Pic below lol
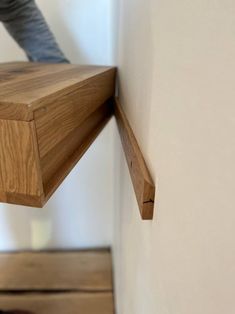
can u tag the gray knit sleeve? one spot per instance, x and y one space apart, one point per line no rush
26 24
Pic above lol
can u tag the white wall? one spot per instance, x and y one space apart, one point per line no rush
177 71
80 212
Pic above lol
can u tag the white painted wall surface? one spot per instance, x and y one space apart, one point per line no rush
80 213
177 72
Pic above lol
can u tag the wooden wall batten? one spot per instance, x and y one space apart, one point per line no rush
143 184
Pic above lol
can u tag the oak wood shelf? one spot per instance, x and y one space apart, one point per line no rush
49 116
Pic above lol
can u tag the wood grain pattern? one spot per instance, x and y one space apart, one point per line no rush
49 116
56 271
57 164
19 162
62 303
57 282
59 118
25 86
141 179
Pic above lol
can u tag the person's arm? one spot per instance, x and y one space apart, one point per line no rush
26 24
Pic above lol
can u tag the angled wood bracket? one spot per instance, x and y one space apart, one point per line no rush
141 178
49 116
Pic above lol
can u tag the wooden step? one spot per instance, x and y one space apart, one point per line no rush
57 282
84 270
49 115
60 303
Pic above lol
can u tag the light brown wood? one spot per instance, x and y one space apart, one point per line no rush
59 118
25 86
62 303
57 282
19 163
49 116
56 164
140 175
56 271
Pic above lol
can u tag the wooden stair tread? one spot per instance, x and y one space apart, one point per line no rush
27 86
49 116
57 282
62 303
58 271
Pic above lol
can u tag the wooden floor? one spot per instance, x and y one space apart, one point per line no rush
57 282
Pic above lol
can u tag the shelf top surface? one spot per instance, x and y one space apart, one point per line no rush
27 86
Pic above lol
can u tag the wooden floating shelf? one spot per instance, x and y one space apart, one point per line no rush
49 116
